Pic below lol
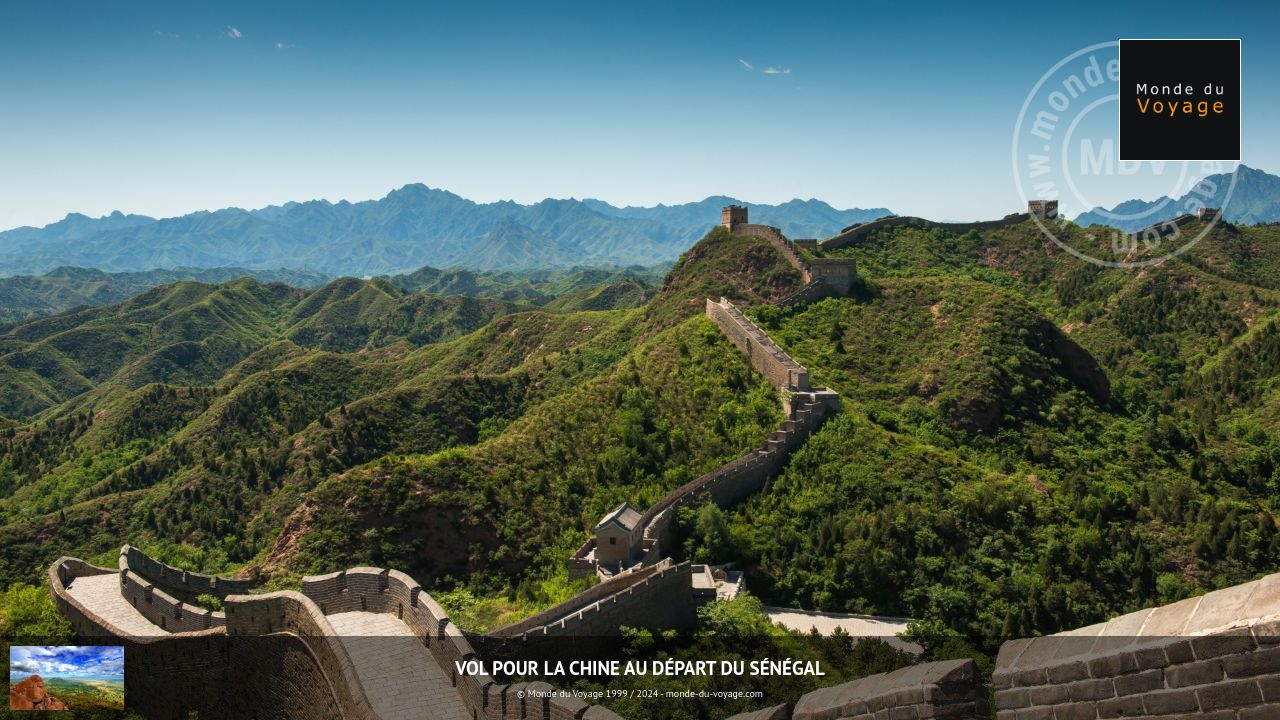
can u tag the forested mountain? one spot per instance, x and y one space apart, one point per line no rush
409 228
1246 196
23 297
1028 442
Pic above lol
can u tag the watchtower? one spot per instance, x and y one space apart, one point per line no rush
1044 209
733 215
1208 214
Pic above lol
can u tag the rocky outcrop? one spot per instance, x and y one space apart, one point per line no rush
29 694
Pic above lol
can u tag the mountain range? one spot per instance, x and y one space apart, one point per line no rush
1254 199
1027 442
411 227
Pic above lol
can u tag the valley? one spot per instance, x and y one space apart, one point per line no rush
1026 443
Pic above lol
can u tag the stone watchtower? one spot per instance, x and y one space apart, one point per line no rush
1207 214
733 215
1045 209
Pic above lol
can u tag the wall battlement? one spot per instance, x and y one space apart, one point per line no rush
177 582
1217 655
1212 656
828 276
806 408
764 354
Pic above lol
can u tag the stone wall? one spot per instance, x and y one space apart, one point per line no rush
253 616
229 678
732 482
580 601
788 249
163 610
205 671
951 689
765 355
814 291
854 233
179 583
1216 656
665 599
1163 228
85 622
827 276
391 591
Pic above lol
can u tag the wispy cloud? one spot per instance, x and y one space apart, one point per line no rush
64 661
746 64
283 46
166 35
234 33
777 71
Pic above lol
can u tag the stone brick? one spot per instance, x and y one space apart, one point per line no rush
1258 712
1112 665
1195 673
1237 693
1048 694
1035 713
1142 682
1150 658
1015 698
1168 702
1179 651
1068 672
1258 662
1087 690
1270 687
1076 711
1120 707
1226 643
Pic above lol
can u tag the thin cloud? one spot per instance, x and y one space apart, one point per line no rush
746 64
166 35
283 46
777 71
67 661
234 33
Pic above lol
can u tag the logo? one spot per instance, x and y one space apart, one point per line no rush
1065 150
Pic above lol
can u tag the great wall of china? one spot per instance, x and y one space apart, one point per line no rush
370 644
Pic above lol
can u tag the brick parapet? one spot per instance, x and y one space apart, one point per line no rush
177 582
162 609
950 689
664 598
1218 653
784 246
764 354
587 597
292 612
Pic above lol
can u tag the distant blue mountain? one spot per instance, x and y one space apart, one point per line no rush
409 228
1255 199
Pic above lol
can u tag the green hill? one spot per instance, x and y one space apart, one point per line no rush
1027 442
1030 442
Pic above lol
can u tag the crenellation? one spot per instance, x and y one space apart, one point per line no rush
177 582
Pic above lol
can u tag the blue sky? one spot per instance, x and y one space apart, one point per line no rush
79 661
166 108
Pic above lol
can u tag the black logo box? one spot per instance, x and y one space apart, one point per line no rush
1181 64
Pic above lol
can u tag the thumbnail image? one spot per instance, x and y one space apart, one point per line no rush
66 677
